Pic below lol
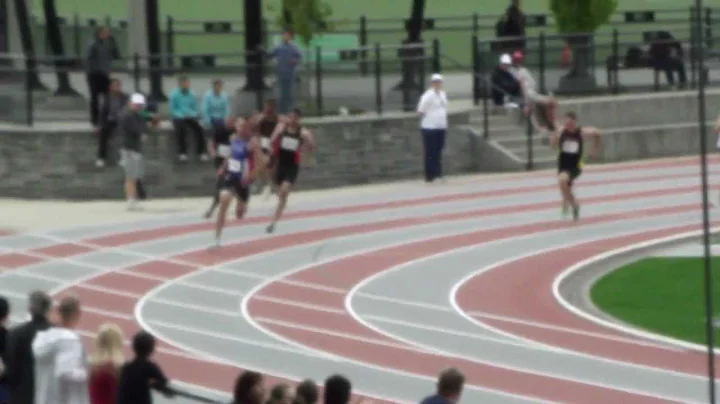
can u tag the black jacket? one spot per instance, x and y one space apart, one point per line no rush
105 108
20 363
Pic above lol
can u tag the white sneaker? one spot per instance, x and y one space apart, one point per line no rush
133 206
99 163
204 157
182 157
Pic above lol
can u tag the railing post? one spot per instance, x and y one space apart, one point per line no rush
136 71
475 70
541 67
29 85
170 43
530 158
708 27
318 80
694 45
475 24
615 73
76 35
436 56
378 80
363 45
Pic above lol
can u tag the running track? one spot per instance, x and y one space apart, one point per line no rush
387 288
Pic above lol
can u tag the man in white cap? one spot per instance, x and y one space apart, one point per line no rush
433 109
133 125
506 90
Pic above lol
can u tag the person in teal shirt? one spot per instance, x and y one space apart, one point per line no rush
185 116
215 107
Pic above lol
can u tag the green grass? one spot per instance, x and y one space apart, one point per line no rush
662 295
455 44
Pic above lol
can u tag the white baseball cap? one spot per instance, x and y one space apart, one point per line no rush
437 77
137 99
505 59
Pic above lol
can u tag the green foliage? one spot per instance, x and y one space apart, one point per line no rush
581 16
306 18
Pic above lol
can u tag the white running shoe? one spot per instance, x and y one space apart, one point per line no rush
133 206
204 157
99 163
182 157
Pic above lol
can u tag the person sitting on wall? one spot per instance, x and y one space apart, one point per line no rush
666 54
532 97
506 89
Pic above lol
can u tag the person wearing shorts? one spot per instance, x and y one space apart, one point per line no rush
237 173
570 139
287 139
219 147
133 125
532 96
266 126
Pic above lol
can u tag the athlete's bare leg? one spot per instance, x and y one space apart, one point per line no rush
225 199
283 193
215 201
566 192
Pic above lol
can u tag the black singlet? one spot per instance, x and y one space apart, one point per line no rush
267 125
571 149
289 147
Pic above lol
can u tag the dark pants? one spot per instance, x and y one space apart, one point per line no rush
181 127
286 94
99 85
434 142
107 130
670 66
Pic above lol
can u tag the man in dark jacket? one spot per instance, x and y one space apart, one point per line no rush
513 25
100 54
666 54
20 364
112 105
449 388
505 87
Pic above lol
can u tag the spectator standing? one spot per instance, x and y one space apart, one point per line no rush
60 371
133 125
449 388
141 374
433 109
215 107
308 391
105 364
20 362
513 26
185 114
249 388
4 314
100 54
666 54
112 106
504 83
287 57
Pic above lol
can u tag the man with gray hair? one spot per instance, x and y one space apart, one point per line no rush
20 363
61 376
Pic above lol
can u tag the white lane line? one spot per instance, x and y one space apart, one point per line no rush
617 326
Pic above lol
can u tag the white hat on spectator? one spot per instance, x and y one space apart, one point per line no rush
505 59
437 77
137 99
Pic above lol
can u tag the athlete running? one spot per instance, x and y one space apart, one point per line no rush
287 139
237 173
220 149
569 139
267 122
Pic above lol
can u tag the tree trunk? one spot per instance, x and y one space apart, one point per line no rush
152 22
23 19
54 38
254 59
579 79
411 58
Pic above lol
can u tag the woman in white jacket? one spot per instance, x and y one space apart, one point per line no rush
60 365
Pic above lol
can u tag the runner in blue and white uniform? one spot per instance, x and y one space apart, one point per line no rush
238 172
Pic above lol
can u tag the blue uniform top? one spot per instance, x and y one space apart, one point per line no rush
238 162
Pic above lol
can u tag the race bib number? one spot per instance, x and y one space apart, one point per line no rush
265 142
571 147
235 166
289 143
223 150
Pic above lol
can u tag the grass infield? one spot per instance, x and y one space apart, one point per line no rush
662 295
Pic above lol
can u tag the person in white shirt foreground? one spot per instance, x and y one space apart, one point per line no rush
60 366
433 109
532 96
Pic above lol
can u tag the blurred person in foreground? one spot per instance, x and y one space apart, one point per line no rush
60 362
432 108
338 390
113 104
449 388
105 363
185 115
308 391
140 375
280 394
4 317
133 124
19 361
249 388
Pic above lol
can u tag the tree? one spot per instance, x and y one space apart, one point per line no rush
579 19
306 18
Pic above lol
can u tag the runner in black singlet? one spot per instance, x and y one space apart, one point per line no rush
287 139
266 126
219 147
570 139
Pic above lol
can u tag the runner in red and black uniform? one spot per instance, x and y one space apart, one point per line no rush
287 139
268 120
